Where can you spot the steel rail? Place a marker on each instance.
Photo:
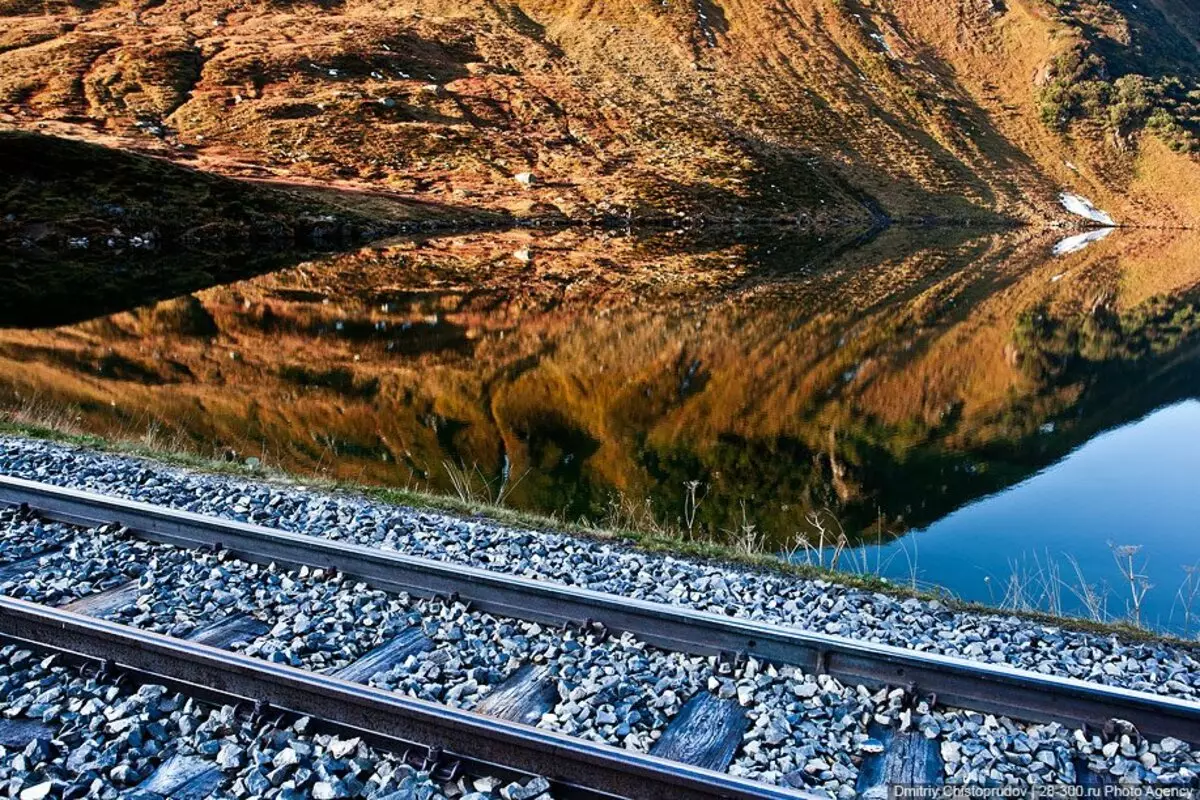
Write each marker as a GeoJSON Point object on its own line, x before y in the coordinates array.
{"type": "Point", "coordinates": [984, 687]}
{"type": "Point", "coordinates": [603, 770]}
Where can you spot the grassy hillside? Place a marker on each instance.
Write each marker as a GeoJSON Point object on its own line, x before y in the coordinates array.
{"type": "Point", "coordinates": [832, 111]}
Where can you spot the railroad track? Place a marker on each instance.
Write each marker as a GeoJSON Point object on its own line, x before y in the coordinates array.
{"type": "Point", "coordinates": [699, 743]}
{"type": "Point", "coordinates": [480, 744]}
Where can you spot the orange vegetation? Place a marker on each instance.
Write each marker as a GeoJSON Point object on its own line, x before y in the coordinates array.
{"type": "Point", "coordinates": [790, 371]}
{"type": "Point", "coordinates": [813, 109]}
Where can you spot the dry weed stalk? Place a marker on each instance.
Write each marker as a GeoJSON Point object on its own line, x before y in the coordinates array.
{"type": "Point", "coordinates": [474, 488]}
{"type": "Point", "coordinates": [1136, 579]}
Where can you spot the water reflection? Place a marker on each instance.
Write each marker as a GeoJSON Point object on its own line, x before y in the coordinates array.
{"type": "Point", "coordinates": [1078, 241]}
{"type": "Point", "coordinates": [1053, 541]}
{"type": "Point", "coordinates": [891, 381]}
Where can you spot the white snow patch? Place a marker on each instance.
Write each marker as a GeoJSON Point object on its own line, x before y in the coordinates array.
{"type": "Point", "coordinates": [1073, 244]}
{"type": "Point", "coordinates": [1081, 206]}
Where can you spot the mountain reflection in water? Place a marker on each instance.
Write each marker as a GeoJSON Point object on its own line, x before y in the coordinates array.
{"type": "Point", "coordinates": [892, 381]}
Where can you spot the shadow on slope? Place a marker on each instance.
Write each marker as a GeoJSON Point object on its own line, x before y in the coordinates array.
{"type": "Point", "coordinates": [87, 231]}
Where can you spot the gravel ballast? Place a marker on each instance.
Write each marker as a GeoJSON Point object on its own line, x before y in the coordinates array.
{"type": "Point", "coordinates": [26, 538]}
{"type": "Point", "coordinates": [818, 605]}
{"type": "Point", "coordinates": [103, 739]}
{"type": "Point", "coordinates": [805, 731]}
{"type": "Point", "coordinates": [614, 690]}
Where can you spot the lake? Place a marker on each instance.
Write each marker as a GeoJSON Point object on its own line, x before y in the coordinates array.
{"type": "Point", "coordinates": [969, 409]}
{"type": "Point", "coordinates": [1052, 541]}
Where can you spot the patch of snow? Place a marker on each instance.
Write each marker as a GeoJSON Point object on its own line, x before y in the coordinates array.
{"type": "Point", "coordinates": [1073, 244]}
{"type": "Point", "coordinates": [1081, 206]}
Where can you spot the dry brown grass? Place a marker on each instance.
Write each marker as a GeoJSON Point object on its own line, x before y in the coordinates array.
{"type": "Point", "coordinates": [779, 108]}
{"type": "Point", "coordinates": [35, 411]}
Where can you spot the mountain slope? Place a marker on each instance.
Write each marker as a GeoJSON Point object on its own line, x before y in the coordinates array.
{"type": "Point", "coordinates": [833, 110]}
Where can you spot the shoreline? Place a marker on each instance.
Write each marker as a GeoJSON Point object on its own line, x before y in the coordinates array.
{"type": "Point", "coordinates": [657, 545]}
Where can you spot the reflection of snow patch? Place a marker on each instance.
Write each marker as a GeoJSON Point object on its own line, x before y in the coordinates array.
{"type": "Point", "coordinates": [1073, 244]}
{"type": "Point", "coordinates": [1083, 207]}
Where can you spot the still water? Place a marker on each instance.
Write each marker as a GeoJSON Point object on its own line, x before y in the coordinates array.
{"type": "Point", "coordinates": [1044, 542]}
{"type": "Point", "coordinates": [968, 405]}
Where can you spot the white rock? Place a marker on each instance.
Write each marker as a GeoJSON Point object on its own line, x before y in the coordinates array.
{"type": "Point", "coordinates": [38, 792]}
